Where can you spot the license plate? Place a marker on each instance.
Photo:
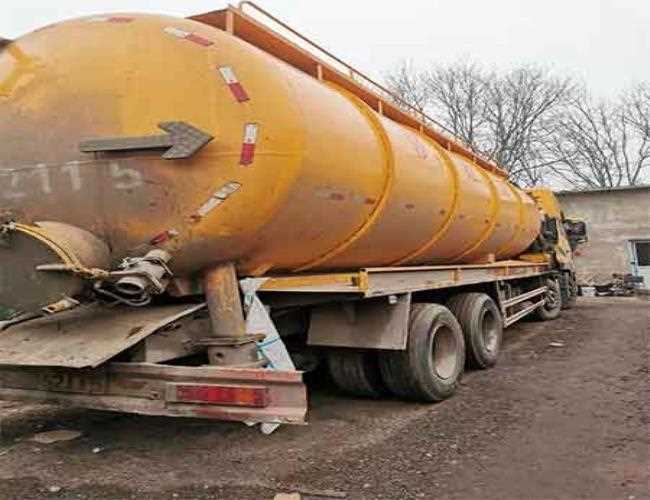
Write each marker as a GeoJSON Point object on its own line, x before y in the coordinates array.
{"type": "Point", "coordinates": [76, 382]}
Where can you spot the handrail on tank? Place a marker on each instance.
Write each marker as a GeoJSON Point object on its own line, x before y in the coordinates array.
{"type": "Point", "coordinates": [352, 70]}
{"type": "Point", "coordinates": [383, 95]}
{"type": "Point", "coordinates": [419, 115]}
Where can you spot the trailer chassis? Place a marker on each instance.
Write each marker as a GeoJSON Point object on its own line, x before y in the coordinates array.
{"type": "Point", "coordinates": [367, 309]}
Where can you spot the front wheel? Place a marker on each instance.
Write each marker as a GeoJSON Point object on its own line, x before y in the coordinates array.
{"type": "Point", "coordinates": [552, 306]}
{"type": "Point", "coordinates": [430, 368]}
{"type": "Point", "coordinates": [570, 292]}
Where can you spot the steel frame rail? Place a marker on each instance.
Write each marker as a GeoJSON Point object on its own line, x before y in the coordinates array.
{"type": "Point", "coordinates": [381, 281]}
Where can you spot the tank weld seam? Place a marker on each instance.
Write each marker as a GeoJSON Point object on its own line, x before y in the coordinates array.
{"type": "Point", "coordinates": [520, 223]}
{"type": "Point", "coordinates": [489, 231]}
{"type": "Point", "coordinates": [253, 264]}
{"type": "Point", "coordinates": [446, 160]}
{"type": "Point", "coordinates": [389, 173]}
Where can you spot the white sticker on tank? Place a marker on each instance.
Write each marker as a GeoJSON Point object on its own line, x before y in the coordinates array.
{"type": "Point", "coordinates": [110, 19]}
{"type": "Point", "coordinates": [250, 133]}
{"type": "Point", "coordinates": [178, 33]}
{"type": "Point", "coordinates": [72, 169]}
{"type": "Point", "coordinates": [228, 75]}
{"type": "Point", "coordinates": [219, 196]}
{"type": "Point", "coordinates": [44, 174]}
{"type": "Point", "coordinates": [125, 178]}
{"type": "Point", "coordinates": [46, 179]}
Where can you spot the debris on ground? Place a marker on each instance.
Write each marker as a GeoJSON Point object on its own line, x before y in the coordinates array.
{"type": "Point", "coordinates": [557, 344]}
{"type": "Point", "coordinates": [287, 496]}
{"type": "Point", "coordinates": [51, 437]}
{"type": "Point", "coordinates": [321, 493]}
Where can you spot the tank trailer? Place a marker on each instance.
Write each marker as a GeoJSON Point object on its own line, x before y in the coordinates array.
{"type": "Point", "coordinates": [193, 212]}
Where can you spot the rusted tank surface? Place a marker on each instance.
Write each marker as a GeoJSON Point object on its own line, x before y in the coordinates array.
{"type": "Point", "coordinates": [300, 175]}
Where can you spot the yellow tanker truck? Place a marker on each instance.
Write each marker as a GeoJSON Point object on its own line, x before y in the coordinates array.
{"type": "Point", "coordinates": [195, 211]}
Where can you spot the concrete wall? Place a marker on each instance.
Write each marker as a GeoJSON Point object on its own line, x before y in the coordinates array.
{"type": "Point", "coordinates": [613, 219]}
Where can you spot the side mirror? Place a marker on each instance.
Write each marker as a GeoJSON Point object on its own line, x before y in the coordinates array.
{"type": "Point", "coordinates": [576, 231]}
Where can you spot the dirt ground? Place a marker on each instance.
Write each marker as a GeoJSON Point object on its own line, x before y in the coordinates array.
{"type": "Point", "coordinates": [546, 423]}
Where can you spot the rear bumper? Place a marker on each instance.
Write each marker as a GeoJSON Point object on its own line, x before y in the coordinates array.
{"type": "Point", "coordinates": [248, 395]}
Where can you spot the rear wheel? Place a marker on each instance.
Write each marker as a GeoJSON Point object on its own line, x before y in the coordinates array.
{"type": "Point", "coordinates": [356, 373]}
{"type": "Point", "coordinates": [552, 306]}
{"type": "Point", "coordinates": [482, 327]}
{"type": "Point", "coordinates": [430, 367]}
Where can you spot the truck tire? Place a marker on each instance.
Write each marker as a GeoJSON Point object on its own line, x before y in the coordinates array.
{"type": "Point", "coordinates": [552, 308]}
{"type": "Point", "coordinates": [482, 326]}
{"type": "Point", "coordinates": [430, 367]}
{"type": "Point", "coordinates": [570, 291]}
{"type": "Point", "coordinates": [356, 373]}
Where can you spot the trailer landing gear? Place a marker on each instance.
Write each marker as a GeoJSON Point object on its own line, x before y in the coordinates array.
{"type": "Point", "coordinates": [228, 345]}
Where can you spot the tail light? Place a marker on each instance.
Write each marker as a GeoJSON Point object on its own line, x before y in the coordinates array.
{"type": "Point", "coordinates": [229, 395]}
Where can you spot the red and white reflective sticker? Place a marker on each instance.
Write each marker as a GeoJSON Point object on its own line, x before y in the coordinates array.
{"type": "Point", "coordinates": [217, 198]}
{"type": "Point", "coordinates": [163, 237]}
{"type": "Point", "coordinates": [110, 19]}
{"type": "Point", "coordinates": [248, 147]}
{"type": "Point", "coordinates": [235, 85]}
{"type": "Point", "coordinates": [187, 35]}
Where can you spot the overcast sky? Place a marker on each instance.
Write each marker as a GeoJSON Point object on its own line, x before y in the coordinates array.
{"type": "Point", "coordinates": [604, 42]}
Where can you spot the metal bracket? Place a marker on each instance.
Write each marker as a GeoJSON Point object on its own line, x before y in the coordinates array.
{"type": "Point", "coordinates": [372, 324]}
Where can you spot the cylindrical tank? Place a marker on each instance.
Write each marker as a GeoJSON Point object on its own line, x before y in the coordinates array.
{"type": "Point", "coordinates": [323, 182]}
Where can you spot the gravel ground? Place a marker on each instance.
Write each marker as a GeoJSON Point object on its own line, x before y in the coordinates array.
{"type": "Point", "coordinates": [546, 423]}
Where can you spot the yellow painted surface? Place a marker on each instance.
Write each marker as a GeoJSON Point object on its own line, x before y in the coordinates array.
{"type": "Point", "coordinates": [547, 201]}
{"type": "Point", "coordinates": [333, 184]}
{"type": "Point", "coordinates": [549, 205]}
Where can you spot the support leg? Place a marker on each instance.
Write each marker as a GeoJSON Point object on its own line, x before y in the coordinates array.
{"type": "Point", "coordinates": [228, 343]}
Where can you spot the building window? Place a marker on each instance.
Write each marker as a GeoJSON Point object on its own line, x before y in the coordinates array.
{"type": "Point", "coordinates": [642, 253]}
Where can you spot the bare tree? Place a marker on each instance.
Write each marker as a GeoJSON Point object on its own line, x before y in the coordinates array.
{"type": "Point", "coordinates": [457, 96]}
{"type": "Point", "coordinates": [636, 108]}
{"type": "Point", "coordinates": [523, 104]}
{"type": "Point", "coordinates": [603, 144]}
{"type": "Point", "coordinates": [505, 117]}
{"type": "Point", "coordinates": [409, 85]}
